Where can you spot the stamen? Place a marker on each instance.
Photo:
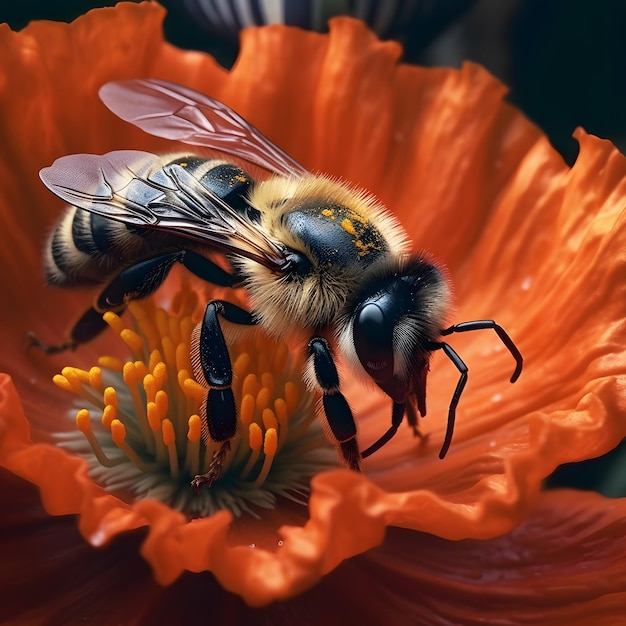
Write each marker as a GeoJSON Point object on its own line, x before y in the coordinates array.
{"type": "Point", "coordinates": [139, 424]}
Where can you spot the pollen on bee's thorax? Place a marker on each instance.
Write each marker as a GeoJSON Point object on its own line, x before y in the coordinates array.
{"type": "Point", "coordinates": [139, 426]}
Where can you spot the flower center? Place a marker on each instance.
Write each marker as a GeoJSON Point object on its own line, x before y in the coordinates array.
{"type": "Point", "coordinates": [142, 434]}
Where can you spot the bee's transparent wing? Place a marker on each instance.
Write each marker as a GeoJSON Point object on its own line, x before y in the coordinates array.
{"type": "Point", "coordinates": [144, 190]}
{"type": "Point", "coordinates": [175, 112]}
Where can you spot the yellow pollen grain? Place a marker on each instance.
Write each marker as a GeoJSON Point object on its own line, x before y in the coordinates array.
{"type": "Point", "coordinates": [329, 213]}
{"type": "Point", "coordinates": [109, 413]}
{"type": "Point", "coordinates": [348, 226]}
{"type": "Point", "coordinates": [246, 409]}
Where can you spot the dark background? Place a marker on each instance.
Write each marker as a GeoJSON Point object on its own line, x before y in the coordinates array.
{"type": "Point", "coordinates": [563, 60]}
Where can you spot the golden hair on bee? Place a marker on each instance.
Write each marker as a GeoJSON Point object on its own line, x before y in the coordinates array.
{"type": "Point", "coordinates": [352, 224]}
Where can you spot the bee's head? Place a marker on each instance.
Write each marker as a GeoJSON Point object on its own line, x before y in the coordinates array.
{"type": "Point", "coordinates": [395, 316]}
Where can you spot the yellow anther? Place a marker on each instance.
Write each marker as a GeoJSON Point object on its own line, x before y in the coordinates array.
{"type": "Point", "coordinates": [195, 428]}
{"type": "Point", "coordinates": [183, 361]}
{"type": "Point", "coordinates": [194, 390]}
{"type": "Point", "coordinates": [280, 409]}
{"type": "Point", "coordinates": [167, 428]}
{"type": "Point", "coordinates": [83, 421]}
{"type": "Point", "coordinates": [118, 432]}
{"type": "Point", "coordinates": [110, 397]}
{"type": "Point", "coordinates": [263, 398]}
{"type": "Point", "coordinates": [255, 436]}
{"type": "Point", "coordinates": [174, 330]}
{"type": "Point", "coordinates": [246, 410]}
{"type": "Point", "coordinates": [155, 357]}
{"type": "Point", "coordinates": [169, 350]}
{"type": "Point", "coordinates": [62, 383]}
{"type": "Point", "coordinates": [280, 357]}
{"type": "Point", "coordinates": [291, 396]}
{"type": "Point", "coordinates": [269, 419]}
{"type": "Point", "coordinates": [162, 323]}
{"type": "Point", "coordinates": [109, 413]}
{"type": "Point", "coordinates": [95, 378]}
{"type": "Point", "coordinates": [161, 401]}
{"type": "Point", "coordinates": [142, 369]}
{"type": "Point", "coordinates": [250, 385]}
{"type": "Point", "coordinates": [151, 387]}
{"type": "Point", "coordinates": [160, 373]}
{"type": "Point", "coordinates": [132, 340]}
{"type": "Point", "coordinates": [114, 321]}
{"type": "Point", "coordinates": [241, 364]}
{"type": "Point", "coordinates": [75, 373]}
{"type": "Point", "coordinates": [72, 378]}
{"type": "Point", "coordinates": [130, 374]}
{"type": "Point", "coordinates": [111, 363]}
{"type": "Point", "coordinates": [267, 379]}
{"type": "Point", "coordinates": [154, 417]}
{"type": "Point", "coordinates": [186, 328]}
{"type": "Point", "coordinates": [270, 442]}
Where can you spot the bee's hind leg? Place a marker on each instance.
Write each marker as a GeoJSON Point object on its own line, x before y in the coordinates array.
{"type": "Point", "coordinates": [210, 352]}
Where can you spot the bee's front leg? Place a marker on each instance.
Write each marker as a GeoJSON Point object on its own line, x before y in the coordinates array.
{"type": "Point", "coordinates": [211, 354]}
{"type": "Point", "coordinates": [336, 407]}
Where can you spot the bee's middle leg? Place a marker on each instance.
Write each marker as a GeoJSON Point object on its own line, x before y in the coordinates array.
{"type": "Point", "coordinates": [336, 407]}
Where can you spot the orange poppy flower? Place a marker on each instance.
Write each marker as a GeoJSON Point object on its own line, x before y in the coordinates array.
{"type": "Point", "coordinates": [527, 240]}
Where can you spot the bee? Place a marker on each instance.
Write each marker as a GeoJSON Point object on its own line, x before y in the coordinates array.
{"type": "Point", "coordinates": [319, 261]}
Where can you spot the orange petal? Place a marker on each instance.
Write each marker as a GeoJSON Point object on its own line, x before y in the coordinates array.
{"type": "Point", "coordinates": [467, 174]}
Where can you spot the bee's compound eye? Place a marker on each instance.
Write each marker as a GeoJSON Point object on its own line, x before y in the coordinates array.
{"type": "Point", "coordinates": [298, 264]}
{"type": "Point", "coordinates": [372, 331]}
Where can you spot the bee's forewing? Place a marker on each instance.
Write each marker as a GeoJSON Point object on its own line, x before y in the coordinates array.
{"type": "Point", "coordinates": [178, 113]}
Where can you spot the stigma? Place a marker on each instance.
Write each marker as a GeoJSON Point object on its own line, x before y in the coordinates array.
{"type": "Point", "coordinates": [138, 421]}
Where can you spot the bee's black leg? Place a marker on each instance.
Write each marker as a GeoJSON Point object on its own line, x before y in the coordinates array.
{"type": "Point", "coordinates": [135, 282]}
{"type": "Point", "coordinates": [397, 414]}
{"type": "Point", "coordinates": [207, 270]}
{"type": "Point", "coordinates": [456, 396]}
{"type": "Point", "coordinates": [502, 334]}
{"type": "Point", "coordinates": [214, 361]}
{"type": "Point", "coordinates": [336, 407]}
